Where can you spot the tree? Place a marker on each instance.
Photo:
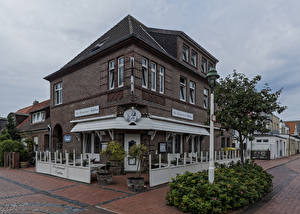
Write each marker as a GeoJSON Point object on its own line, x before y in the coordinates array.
{"type": "Point", "coordinates": [244, 108]}
{"type": "Point", "coordinates": [12, 129]}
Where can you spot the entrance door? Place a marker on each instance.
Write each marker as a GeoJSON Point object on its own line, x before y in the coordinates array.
{"type": "Point", "coordinates": [130, 164]}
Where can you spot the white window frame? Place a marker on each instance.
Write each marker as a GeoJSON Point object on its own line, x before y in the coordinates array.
{"type": "Point", "coordinates": [161, 80]}
{"type": "Point", "coordinates": [192, 95]}
{"type": "Point", "coordinates": [145, 69]}
{"type": "Point", "coordinates": [153, 76]}
{"type": "Point", "coordinates": [58, 93]}
{"type": "Point", "coordinates": [194, 55]}
{"type": "Point", "coordinates": [182, 85]}
{"type": "Point", "coordinates": [38, 117]}
{"type": "Point", "coordinates": [205, 98]}
{"type": "Point", "coordinates": [111, 74]}
{"type": "Point", "coordinates": [185, 50]}
{"type": "Point", "coordinates": [121, 71]}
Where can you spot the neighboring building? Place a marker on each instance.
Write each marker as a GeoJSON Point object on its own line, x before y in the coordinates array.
{"type": "Point", "coordinates": [279, 141]}
{"type": "Point", "coordinates": [33, 122]}
{"type": "Point", "coordinates": [3, 122]}
{"type": "Point", "coordinates": [134, 84]}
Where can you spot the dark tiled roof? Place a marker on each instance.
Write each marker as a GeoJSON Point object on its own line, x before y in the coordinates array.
{"type": "Point", "coordinates": [27, 126]}
{"type": "Point", "coordinates": [126, 28]}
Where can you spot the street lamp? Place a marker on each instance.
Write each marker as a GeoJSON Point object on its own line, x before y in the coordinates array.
{"type": "Point", "coordinates": [212, 77]}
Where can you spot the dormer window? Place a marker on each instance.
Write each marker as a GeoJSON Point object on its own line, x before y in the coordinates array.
{"type": "Point", "coordinates": [185, 53]}
{"type": "Point", "coordinates": [38, 117]}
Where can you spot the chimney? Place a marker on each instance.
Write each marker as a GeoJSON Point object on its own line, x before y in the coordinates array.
{"type": "Point", "coordinates": [35, 102]}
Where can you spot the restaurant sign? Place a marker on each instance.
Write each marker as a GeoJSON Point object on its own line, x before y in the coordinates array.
{"type": "Point", "coordinates": [182, 114]}
{"type": "Point", "coordinates": [87, 111]}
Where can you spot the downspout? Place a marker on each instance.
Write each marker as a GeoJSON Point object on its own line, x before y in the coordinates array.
{"type": "Point", "coordinates": [50, 137]}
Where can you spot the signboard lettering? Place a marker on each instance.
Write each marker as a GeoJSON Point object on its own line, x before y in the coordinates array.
{"type": "Point", "coordinates": [182, 114]}
{"type": "Point", "coordinates": [87, 111]}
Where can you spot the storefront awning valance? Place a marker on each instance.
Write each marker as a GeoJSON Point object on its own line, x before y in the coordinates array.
{"type": "Point", "coordinates": [142, 124]}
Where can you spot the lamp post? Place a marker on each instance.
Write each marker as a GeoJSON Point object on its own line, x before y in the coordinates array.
{"type": "Point", "coordinates": [212, 77]}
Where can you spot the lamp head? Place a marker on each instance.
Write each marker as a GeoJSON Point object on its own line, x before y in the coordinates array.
{"type": "Point", "coordinates": [212, 77]}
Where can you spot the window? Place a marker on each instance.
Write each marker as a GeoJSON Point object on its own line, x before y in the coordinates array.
{"type": "Point", "coordinates": [36, 143]}
{"type": "Point", "coordinates": [111, 74]}
{"type": "Point", "coordinates": [120, 71]}
{"type": "Point", "coordinates": [223, 142]}
{"type": "Point", "coordinates": [205, 100]}
{"type": "Point", "coordinates": [192, 92]}
{"type": "Point", "coordinates": [153, 76]}
{"type": "Point", "coordinates": [161, 80]}
{"type": "Point", "coordinates": [258, 140]}
{"type": "Point", "coordinates": [204, 65]}
{"type": "Point", "coordinates": [265, 140]}
{"type": "Point", "coordinates": [38, 117]}
{"type": "Point", "coordinates": [182, 89]}
{"type": "Point", "coordinates": [144, 73]}
{"type": "Point", "coordinates": [58, 94]}
{"type": "Point", "coordinates": [185, 53]}
{"type": "Point", "coordinates": [194, 58]}
{"type": "Point", "coordinates": [228, 141]}
{"type": "Point", "coordinates": [211, 66]}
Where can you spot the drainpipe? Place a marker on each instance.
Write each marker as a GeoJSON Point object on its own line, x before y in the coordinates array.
{"type": "Point", "coordinates": [50, 137]}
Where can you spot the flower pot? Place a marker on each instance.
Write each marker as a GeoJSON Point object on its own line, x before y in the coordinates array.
{"type": "Point", "coordinates": [104, 178]}
{"type": "Point", "coordinates": [24, 164]}
{"type": "Point", "coordinates": [136, 184]}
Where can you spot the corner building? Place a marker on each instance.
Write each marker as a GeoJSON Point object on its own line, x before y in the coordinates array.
{"type": "Point", "coordinates": [134, 84]}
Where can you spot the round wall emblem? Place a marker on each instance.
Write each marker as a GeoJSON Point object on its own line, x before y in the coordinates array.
{"type": "Point", "coordinates": [132, 116]}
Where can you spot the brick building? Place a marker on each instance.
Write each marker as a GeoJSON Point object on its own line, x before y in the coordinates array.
{"type": "Point", "coordinates": [134, 84]}
{"type": "Point", "coordinates": [33, 122]}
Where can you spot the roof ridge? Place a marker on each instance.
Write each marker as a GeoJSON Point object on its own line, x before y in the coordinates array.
{"type": "Point", "coordinates": [152, 38]}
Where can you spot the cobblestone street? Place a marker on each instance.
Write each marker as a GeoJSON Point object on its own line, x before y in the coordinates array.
{"type": "Point", "coordinates": [24, 191]}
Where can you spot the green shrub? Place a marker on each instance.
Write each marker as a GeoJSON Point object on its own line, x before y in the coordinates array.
{"type": "Point", "coordinates": [234, 187]}
{"type": "Point", "coordinates": [9, 146]}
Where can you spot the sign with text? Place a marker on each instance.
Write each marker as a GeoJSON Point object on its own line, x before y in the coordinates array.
{"type": "Point", "coordinates": [68, 138]}
{"type": "Point", "coordinates": [87, 111]}
{"type": "Point", "coordinates": [182, 114]}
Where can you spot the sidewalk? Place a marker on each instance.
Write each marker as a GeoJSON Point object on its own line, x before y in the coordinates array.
{"type": "Point", "coordinates": [268, 164]}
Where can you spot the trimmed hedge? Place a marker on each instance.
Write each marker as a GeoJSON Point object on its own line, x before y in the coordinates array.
{"type": "Point", "coordinates": [234, 187]}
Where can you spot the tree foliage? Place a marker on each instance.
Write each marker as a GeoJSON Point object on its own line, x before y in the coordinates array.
{"type": "Point", "coordinates": [244, 108]}
{"type": "Point", "coordinates": [12, 129]}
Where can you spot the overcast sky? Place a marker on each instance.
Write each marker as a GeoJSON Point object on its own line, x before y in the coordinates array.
{"type": "Point", "coordinates": [37, 37]}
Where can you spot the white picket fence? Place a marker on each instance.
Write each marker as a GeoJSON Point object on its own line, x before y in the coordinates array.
{"type": "Point", "coordinates": [60, 166]}
{"type": "Point", "coordinates": [179, 164]}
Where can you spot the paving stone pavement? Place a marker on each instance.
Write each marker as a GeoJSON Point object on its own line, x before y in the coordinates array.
{"type": "Point", "coordinates": [285, 197]}
{"type": "Point", "coordinates": [24, 191]}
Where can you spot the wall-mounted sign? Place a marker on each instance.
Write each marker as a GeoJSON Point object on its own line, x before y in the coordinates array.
{"type": "Point", "coordinates": [68, 138]}
{"type": "Point", "coordinates": [182, 114]}
{"type": "Point", "coordinates": [132, 116]}
{"type": "Point", "coordinates": [87, 111]}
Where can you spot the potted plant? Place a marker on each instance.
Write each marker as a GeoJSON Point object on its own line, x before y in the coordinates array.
{"type": "Point", "coordinates": [114, 152]}
{"type": "Point", "coordinates": [139, 152]}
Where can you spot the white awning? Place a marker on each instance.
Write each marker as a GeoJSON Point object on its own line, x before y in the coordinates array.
{"type": "Point", "coordinates": [142, 124]}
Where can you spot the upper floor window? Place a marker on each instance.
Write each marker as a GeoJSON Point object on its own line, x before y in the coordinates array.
{"type": "Point", "coordinates": [161, 80]}
{"type": "Point", "coordinates": [153, 76]}
{"type": "Point", "coordinates": [121, 72]}
{"type": "Point", "coordinates": [192, 92]}
{"type": "Point", "coordinates": [205, 100]}
{"type": "Point", "coordinates": [211, 66]}
{"type": "Point", "coordinates": [38, 117]}
{"type": "Point", "coordinates": [58, 94]}
{"type": "Point", "coordinates": [111, 74]}
{"type": "Point", "coordinates": [144, 73]}
{"type": "Point", "coordinates": [185, 53]}
{"type": "Point", "coordinates": [182, 89]}
{"type": "Point", "coordinates": [194, 58]}
{"type": "Point", "coordinates": [204, 65]}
